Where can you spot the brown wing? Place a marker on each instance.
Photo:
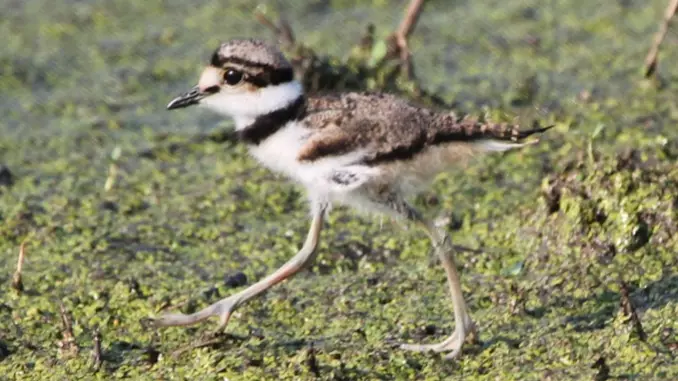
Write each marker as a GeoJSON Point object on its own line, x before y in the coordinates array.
{"type": "Point", "coordinates": [389, 128]}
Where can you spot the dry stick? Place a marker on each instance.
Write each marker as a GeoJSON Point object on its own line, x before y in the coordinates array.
{"type": "Point", "coordinates": [265, 21]}
{"type": "Point", "coordinates": [630, 311]}
{"type": "Point", "coordinates": [410, 20]}
{"type": "Point", "coordinates": [652, 55]}
{"type": "Point", "coordinates": [283, 32]}
{"type": "Point", "coordinates": [397, 41]}
{"type": "Point", "coordinates": [66, 323]}
{"type": "Point", "coordinates": [287, 35]}
{"type": "Point", "coordinates": [403, 32]}
{"type": "Point", "coordinates": [311, 361]}
{"type": "Point", "coordinates": [17, 284]}
{"type": "Point", "coordinates": [96, 351]}
{"type": "Point", "coordinates": [67, 344]}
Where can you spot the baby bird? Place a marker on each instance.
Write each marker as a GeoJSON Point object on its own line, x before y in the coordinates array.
{"type": "Point", "coordinates": [363, 150]}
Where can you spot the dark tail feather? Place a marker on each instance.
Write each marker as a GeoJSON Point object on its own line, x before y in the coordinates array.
{"type": "Point", "coordinates": [525, 133]}
{"type": "Point", "coordinates": [516, 141]}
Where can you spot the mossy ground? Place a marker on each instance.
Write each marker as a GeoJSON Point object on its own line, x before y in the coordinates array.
{"type": "Point", "coordinates": [557, 227]}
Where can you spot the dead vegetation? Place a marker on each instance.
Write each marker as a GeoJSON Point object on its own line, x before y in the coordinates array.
{"type": "Point", "coordinates": [17, 282]}
{"type": "Point", "coordinates": [652, 58]}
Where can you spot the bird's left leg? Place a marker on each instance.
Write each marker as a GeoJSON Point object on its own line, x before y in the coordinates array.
{"type": "Point", "coordinates": [225, 307]}
{"type": "Point", "coordinates": [442, 245]}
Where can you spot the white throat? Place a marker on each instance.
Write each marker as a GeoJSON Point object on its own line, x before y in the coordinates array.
{"type": "Point", "coordinates": [244, 108]}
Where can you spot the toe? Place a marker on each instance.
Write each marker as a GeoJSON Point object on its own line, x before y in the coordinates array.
{"type": "Point", "coordinates": [454, 354]}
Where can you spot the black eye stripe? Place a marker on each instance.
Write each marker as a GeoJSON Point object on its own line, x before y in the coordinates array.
{"type": "Point", "coordinates": [281, 76]}
{"type": "Point", "coordinates": [271, 77]}
{"type": "Point", "coordinates": [268, 76]}
{"type": "Point", "coordinates": [257, 81]}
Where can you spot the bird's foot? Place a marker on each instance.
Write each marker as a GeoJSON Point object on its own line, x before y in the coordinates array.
{"type": "Point", "coordinates": [452, 345]}
{"type": "Point", "coordinates": [221, 309]}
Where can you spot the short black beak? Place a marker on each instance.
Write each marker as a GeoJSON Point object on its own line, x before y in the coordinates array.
{"type": "Point", "coordinates": [187, 99]}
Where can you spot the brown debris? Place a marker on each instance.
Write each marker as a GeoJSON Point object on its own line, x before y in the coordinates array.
{"type": "Point", "coordinates": [630, 311]}
{"type": "Point", "coordinates": [283, 30]}
{"type": "Point", "coordinates": [152, 355]}
{"type": "Point", "coordinates": [367, 40]}
{"type": "Point", "coordinates": [518, 300]}
{"type": "Point", "coordinates": [669, 338]}
{"type": "Point", "coordinates": [397, 42]}
{"type": "Point", "coordinates": [67, 345]}
{"type": "Point", "coordinates": [96, 351]}
{"type": "Point", "coordinates": [603, 370]}
{"type": "Point", "coordinates": [17, 283]}
{"type": "Point", "coordinates": [311, 361]}
{"type": "Point", "coordinates": [552, 193]}
{"type": "Point", "coordinates": [652, 56]}
{"type": "Point", "coordinates": [320, 74]}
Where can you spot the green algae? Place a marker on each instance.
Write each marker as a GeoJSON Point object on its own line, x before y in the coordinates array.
{"type": "Point", "coordinates": [555, 228]}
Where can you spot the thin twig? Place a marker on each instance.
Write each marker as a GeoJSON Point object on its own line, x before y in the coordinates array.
{"type": "Point", "coordinates": [410, 20]}
{"type": "Point", "coordinates": [283, 31]}
{"type": "Point", "coordinates": [629, 310]}
{"type": "Point", "coordinates": [96, 351]}
{"type": "Point", "coordinates": [287, 35]}
{"type": "Point", "coordinates": [401, 35]}
{"type": "Point", "coordinates": [311, 361]}
{"type": "Point", "coordinates": [17, 284]}
{"type": "Point", "coordinates": [652, 56]}
{"type": "Point", "coordinates": [67, 344]}
{"type": "Point", "coordinates": [66, 323]}
{"type": "Point", "coordinates": [265, 21]}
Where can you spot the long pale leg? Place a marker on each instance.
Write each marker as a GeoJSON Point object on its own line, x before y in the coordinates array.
{"type": "Point", "coordinates": [463, 323]}
{"type": "Point", "coordinates": [441, 243]}
{"type": "Point", "coordinates": [225, 307]}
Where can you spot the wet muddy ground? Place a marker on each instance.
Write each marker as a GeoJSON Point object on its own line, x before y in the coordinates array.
{"type": "Point", "coordinates": [127, 210]}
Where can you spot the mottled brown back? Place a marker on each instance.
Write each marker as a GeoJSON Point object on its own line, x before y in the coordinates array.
{"type": "Point", "coordinates": [389, 128]}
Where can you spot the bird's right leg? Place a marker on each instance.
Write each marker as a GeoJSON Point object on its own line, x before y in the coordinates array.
{"type": "Point", "coordinates": [442, 245]}
{"type": "Point", "coordinates": [225, 307]}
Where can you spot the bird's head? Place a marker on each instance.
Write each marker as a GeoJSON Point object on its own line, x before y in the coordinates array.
{"type": "Point", "coordinates": [245, 79]}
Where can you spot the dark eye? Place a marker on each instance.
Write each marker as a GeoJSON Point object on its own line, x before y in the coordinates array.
{"type": "Point", "coordinates": [232, 77]}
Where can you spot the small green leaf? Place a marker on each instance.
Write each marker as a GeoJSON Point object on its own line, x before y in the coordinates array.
{"type": "Point", "coordinates": [514, 270]}
{"type": "Point", "coordinates": [378, 53]}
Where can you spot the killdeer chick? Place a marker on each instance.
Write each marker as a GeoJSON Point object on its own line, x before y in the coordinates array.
{"type": "Point", "coordinates": [364, 150]}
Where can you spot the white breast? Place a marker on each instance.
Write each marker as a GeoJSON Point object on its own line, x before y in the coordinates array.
{"type": "Point", "coordinates": [279, 153]}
